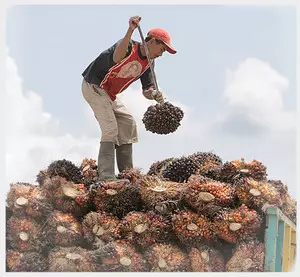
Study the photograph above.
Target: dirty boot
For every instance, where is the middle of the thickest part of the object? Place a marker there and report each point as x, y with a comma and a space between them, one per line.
124, 156
106, 161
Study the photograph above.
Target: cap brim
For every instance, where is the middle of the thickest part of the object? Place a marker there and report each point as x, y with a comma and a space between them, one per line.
170, 49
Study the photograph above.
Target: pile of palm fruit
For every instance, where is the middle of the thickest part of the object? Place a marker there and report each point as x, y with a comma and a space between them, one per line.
188, 214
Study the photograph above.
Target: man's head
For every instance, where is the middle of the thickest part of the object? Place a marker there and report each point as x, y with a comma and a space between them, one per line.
158, 42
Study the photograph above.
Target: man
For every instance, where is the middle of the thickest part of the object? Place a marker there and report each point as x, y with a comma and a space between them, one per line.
110, 74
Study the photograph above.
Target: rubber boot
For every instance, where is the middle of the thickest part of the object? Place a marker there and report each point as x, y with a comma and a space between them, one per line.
106, 161
124, 156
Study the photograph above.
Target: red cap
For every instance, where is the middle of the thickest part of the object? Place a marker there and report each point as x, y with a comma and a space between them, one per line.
164, 37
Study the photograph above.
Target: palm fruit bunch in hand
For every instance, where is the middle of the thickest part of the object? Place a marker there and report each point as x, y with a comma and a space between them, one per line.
162, 118
117, 197
233, 225
248, 257
207, 196
26, 261
119, 255
26, 199
192, 229
164, 257
100, 226
71, 259
239, 169
206, 259
163, 197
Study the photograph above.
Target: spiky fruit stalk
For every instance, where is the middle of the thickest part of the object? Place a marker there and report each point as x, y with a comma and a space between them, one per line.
71, 259
256, 194
65, 169
180, 169
162, 119
239, 169
161, 196
203, 158
26, 262
65, 229
158, 167
248, 257
88, 169
207, 196
206, 259
119, 256
117, 197
167, 258
132, 174
233, 225
24, 234
100, 226
192, 229
26, 199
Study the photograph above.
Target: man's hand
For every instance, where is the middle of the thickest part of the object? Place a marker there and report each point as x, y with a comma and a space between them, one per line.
133, 22
158, 96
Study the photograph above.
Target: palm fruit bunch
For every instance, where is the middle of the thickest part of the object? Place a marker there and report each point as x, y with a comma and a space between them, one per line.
89, 171
26, 199
162, 118
257, 194
100, 227
164, 197
239, 168
65, 230
158, 167
66, 169
145, 229
181, 169
233, 225
71, 259
206, 259
192, 229
120, 256
132, 174
117, 197
248, 257
207, 196
24, 234
26, 261
164, 257
67, 196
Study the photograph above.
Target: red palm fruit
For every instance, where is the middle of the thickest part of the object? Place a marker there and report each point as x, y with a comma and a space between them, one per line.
248, 257
26, 262
100, 226
65, 229
71, 259
210, 170
132, 174
167, 258
26, 199
161, 196
24, 234
119, 256
207, 196
88, 169
192, 229
117, 197
239, 168
206, 259
256, 194
233, 225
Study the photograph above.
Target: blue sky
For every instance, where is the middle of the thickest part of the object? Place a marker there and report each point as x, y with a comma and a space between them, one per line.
234, 75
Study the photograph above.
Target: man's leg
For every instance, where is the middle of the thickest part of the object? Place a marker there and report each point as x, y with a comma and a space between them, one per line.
102, 107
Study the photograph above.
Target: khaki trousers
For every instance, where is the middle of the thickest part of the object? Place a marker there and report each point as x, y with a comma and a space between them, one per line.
116, 123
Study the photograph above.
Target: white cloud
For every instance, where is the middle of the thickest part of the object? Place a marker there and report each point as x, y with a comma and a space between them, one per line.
32, 139
256, 89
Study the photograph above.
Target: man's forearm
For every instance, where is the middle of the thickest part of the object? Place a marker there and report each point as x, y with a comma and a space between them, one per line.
121, 49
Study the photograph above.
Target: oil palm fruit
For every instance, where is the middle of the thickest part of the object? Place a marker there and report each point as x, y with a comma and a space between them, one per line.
89, 171
158, 167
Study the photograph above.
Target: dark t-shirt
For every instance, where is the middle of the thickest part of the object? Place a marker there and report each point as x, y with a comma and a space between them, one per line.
97, 69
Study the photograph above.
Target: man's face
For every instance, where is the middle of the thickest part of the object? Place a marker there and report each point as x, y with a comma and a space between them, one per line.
156, 48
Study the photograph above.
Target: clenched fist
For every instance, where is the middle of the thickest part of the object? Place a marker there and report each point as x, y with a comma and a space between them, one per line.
134, 22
